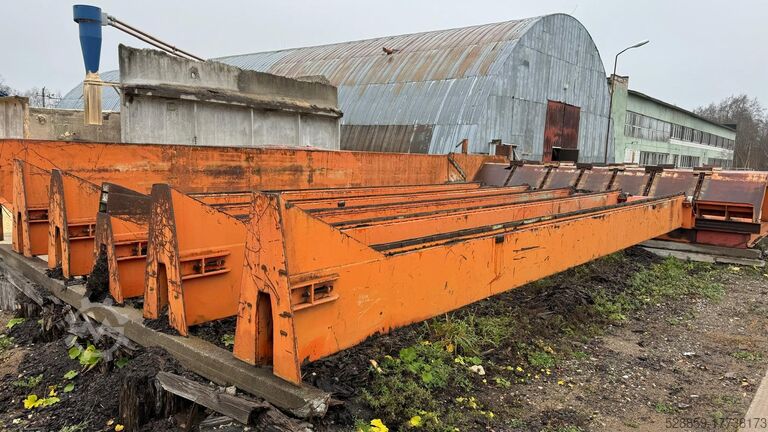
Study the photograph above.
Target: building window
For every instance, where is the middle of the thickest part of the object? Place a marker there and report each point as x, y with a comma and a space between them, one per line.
652, 129
653, 158
689, 161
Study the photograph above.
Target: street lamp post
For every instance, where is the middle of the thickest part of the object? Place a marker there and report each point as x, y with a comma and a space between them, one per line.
613, 87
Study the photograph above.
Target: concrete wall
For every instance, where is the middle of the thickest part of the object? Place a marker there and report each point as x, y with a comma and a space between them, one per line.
13, 113
68, 125
168, 100
624, 101
18, 120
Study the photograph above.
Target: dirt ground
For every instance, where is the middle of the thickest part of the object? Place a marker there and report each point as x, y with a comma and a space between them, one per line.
629, 343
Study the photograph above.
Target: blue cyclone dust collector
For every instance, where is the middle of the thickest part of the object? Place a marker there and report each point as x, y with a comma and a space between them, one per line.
89, 19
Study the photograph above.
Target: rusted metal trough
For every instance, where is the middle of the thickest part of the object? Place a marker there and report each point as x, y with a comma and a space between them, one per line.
314, 251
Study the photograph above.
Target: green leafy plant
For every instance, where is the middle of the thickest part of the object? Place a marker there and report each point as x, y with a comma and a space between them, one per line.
5, 342
71, 375
228, 340
29, 382
69, 387
14, 322
122, 362
664, 408
747, 356
32, 401
88, 357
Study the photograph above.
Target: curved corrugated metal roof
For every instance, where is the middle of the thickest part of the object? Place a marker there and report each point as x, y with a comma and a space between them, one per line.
427, 56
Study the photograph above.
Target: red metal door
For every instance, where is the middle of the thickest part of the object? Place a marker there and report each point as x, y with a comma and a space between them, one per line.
561, 128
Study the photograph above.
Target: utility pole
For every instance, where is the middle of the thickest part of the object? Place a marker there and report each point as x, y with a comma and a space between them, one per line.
43, 92
612, 89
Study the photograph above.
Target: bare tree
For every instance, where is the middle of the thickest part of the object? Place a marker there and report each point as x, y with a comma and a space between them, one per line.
751, 122
5, 90
38, 97
42, 97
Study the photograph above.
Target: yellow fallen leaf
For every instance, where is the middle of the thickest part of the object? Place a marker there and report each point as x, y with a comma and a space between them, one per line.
378, 426
415, 421
119, 427
560, 382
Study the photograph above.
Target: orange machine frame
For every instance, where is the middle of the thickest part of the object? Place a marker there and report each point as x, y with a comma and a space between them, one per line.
185, 264
300, 303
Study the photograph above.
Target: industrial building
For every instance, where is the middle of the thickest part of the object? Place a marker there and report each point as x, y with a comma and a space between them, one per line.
649, 131
425, 92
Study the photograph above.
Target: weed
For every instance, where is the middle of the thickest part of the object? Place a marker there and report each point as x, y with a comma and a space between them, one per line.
564, 429
79, 427
29, 382
580, 355
670, 279
664, 408
541, 359
747, 356
408, 385
228, 340
376, 425
425, 361
32, 401
456, 334
726, 401
88, 357
502, 382
14, 322
5, 342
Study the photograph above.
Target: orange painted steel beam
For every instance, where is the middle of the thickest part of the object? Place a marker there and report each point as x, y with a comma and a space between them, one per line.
54, 216
298, 304
73, 203
122, 232
176, 239
408, 197
403, 229
194, 260
349, 192
123, 225
30, 209
365, 213
211, 169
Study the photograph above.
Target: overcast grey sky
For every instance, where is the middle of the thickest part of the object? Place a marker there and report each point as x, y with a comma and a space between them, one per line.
700, 51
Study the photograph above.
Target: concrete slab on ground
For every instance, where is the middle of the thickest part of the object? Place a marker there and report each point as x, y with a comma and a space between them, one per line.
756, 418
705, 253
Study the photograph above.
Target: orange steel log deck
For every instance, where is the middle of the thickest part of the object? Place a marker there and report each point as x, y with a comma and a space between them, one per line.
314, 251
730, 206
298, 305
